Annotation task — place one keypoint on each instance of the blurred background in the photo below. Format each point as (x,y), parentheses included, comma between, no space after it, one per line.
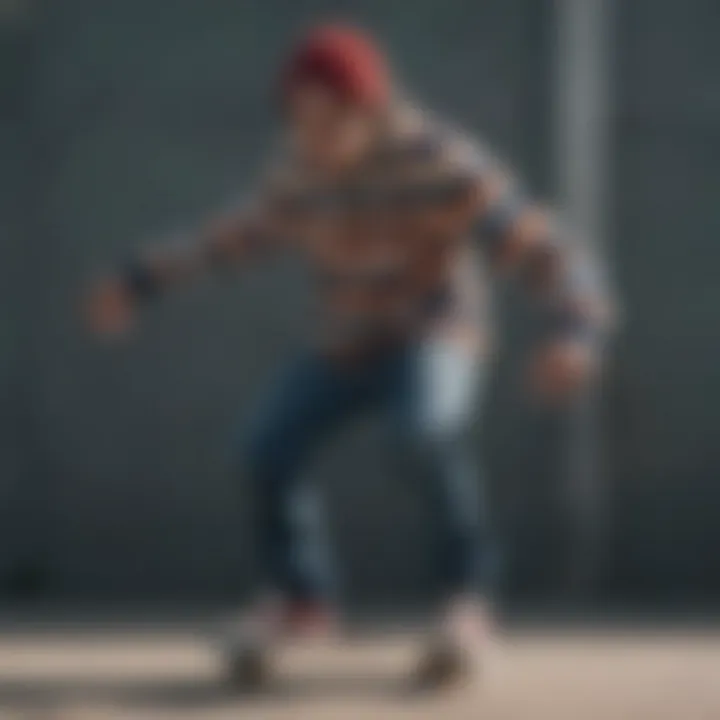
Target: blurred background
(122,120)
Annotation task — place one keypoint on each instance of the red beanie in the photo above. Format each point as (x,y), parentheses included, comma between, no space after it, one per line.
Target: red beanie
(344,60)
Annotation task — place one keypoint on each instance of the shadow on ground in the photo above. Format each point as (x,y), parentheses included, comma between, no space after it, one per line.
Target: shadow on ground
(199,694)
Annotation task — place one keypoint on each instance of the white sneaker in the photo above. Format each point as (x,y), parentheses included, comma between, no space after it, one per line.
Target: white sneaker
(456,652)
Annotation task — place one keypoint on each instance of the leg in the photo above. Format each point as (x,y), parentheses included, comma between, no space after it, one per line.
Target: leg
(305,405)
(434,410)
(435,402)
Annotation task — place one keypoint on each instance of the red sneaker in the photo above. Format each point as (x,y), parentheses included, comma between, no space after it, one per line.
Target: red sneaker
(303,619)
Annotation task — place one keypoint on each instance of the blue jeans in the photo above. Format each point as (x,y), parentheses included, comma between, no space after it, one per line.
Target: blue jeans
(429,390)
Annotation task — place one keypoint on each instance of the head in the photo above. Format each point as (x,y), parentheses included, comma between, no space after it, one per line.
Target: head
(335,91)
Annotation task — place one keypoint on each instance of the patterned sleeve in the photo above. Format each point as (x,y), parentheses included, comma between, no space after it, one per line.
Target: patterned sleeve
(242,232)
(520,236)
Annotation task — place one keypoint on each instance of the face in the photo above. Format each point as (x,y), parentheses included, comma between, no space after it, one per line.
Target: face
(330,134)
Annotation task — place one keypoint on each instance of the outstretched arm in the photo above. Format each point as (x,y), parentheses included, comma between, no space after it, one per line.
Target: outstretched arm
(227,239)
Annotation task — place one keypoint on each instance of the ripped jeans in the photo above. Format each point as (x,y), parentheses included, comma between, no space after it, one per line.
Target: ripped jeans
(430,390)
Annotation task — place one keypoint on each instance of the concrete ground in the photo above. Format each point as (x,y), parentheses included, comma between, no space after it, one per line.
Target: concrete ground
(147,675)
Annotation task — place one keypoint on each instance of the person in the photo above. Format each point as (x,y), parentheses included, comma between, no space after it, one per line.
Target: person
(397,214)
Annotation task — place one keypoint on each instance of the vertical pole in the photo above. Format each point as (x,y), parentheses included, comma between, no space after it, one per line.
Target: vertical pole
(581,147)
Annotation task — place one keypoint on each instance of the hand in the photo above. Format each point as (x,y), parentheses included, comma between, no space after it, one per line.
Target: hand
(110,307)
(561,369)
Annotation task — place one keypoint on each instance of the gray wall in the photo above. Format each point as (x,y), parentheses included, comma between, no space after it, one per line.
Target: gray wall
(127,119)
(666,184)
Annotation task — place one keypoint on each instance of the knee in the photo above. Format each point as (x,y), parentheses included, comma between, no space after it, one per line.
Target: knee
(424,447)
(444,464)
